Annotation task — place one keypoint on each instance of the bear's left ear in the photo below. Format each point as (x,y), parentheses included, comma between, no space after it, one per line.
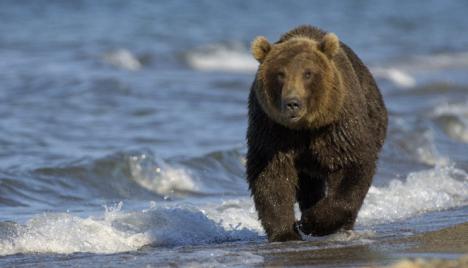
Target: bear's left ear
(329,45)
(260,48)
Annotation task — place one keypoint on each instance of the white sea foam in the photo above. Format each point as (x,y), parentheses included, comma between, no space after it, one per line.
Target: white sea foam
(397,76)
(158,176)
(439,61)
(65,233)
(235,214)
(222,58)
(456,119)
(119,231)
(215,221)
(460,109)
(406,73)
(427,151)
(422,191)
(124,59)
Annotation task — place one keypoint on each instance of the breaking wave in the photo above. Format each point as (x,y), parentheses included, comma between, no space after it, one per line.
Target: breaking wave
(423,191)
(123,59)
(453,119)
(222,57)
(235,219)
(120,231)
(397,76)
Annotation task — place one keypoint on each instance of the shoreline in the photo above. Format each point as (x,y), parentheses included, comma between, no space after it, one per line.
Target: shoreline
(441,248)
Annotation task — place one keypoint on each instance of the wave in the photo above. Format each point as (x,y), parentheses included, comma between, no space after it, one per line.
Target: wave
(453,118)
(397,76)
(119,231)
(222,57)
(423,191)
(122,59)
(411,144)
(135,175)
(427,69)
(218,173)
(438,61)
(216,221)
(160,177)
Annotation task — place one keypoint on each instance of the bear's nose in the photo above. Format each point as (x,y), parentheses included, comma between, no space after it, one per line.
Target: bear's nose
(292,104)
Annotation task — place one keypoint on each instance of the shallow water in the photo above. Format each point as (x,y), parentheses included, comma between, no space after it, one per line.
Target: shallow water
(122,130)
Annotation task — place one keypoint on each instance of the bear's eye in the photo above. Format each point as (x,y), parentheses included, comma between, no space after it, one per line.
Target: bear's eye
(280,76)
(307,74)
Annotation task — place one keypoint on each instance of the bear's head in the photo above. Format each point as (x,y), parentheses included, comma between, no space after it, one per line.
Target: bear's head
(299,85)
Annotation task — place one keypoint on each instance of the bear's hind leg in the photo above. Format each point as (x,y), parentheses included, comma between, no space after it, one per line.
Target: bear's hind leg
(343,198)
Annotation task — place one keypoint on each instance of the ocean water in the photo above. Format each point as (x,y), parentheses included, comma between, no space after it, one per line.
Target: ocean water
(122,130)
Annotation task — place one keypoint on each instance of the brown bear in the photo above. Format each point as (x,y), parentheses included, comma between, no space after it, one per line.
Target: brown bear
(317,122)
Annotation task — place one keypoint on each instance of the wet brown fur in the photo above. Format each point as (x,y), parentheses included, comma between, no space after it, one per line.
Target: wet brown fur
(326,160)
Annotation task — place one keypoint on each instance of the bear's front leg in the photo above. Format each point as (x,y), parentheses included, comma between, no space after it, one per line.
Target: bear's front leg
(273,185)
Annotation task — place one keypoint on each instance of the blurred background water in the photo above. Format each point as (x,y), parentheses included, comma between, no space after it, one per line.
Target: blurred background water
(123,125)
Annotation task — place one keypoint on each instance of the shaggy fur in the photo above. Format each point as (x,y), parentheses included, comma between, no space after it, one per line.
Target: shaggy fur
(321,153)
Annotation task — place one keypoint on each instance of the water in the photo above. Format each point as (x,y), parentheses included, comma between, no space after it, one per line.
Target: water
(122,129)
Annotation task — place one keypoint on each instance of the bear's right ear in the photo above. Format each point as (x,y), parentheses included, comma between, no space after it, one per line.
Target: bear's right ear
(260,48)
(330,45)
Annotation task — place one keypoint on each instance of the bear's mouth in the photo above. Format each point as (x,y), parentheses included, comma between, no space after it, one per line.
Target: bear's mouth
(293,118)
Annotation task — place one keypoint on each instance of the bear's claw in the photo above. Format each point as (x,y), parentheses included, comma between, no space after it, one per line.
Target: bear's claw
(283,237)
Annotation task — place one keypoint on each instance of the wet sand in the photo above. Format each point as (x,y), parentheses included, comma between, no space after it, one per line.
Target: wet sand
(453,239)
(443,248)
(438,249)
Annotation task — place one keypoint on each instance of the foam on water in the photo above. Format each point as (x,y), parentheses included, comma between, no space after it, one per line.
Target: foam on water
(156,175)
(422,191)
(123,59)
(181,180)
(215,221)
(222,58)
(460,109)
(65,233)
(454,118)
(440,61)
(427,151)
(408,72)
(396,76)
(235,214)
(119,231)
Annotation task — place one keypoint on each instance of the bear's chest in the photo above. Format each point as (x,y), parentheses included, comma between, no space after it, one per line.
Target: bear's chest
(328,152)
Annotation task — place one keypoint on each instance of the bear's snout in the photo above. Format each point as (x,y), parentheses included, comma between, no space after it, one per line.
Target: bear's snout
(292,106)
